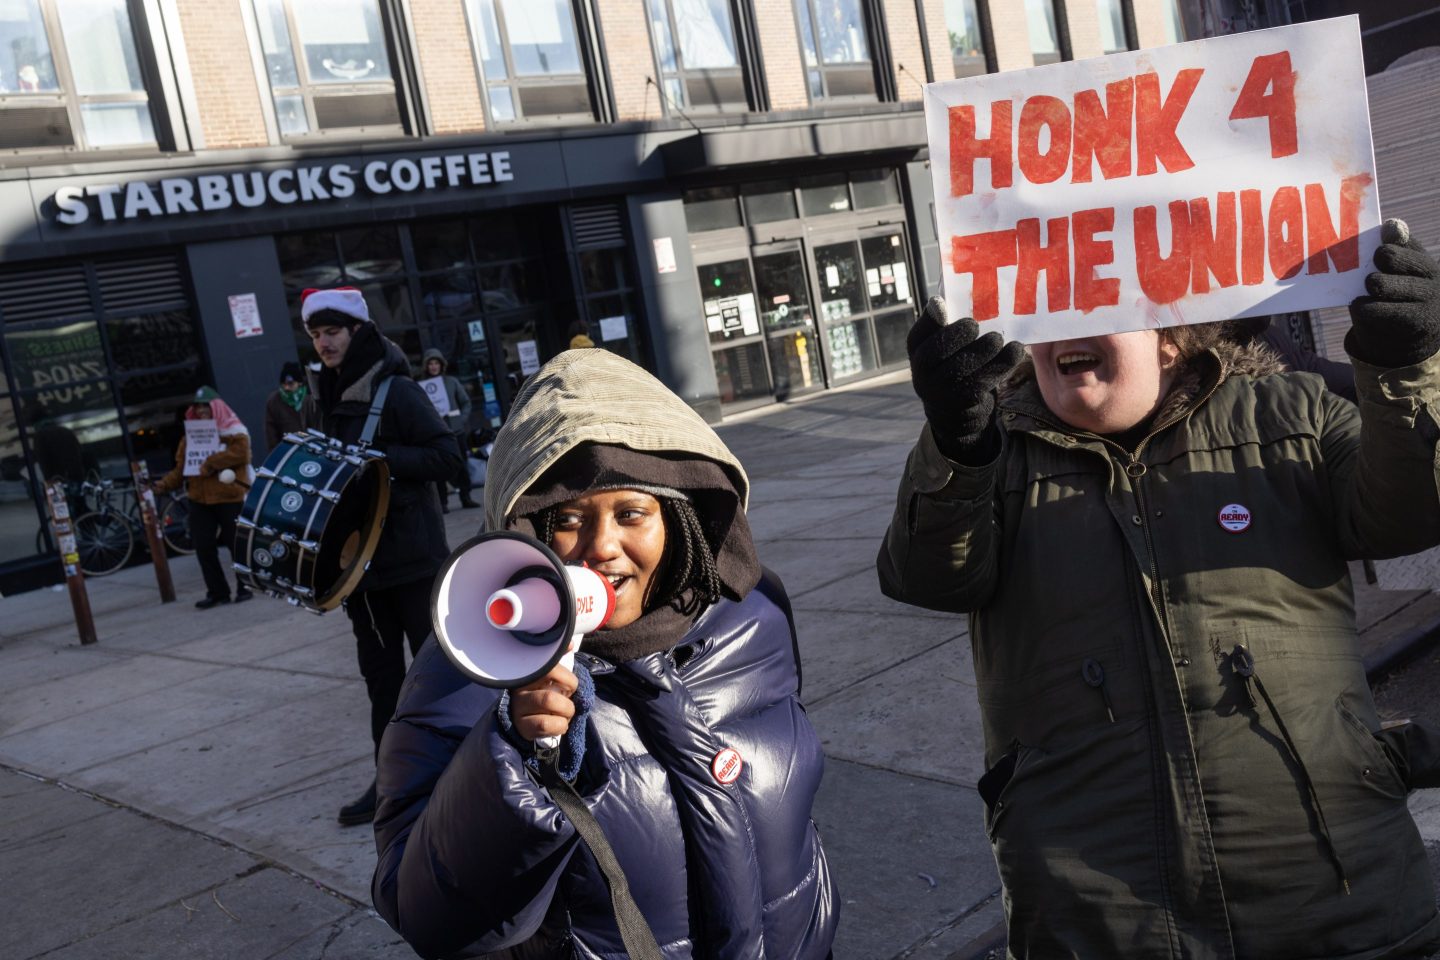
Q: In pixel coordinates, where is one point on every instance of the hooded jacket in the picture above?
(418, 448)
(458, 419)
(234, 455)
(473, 853)
(1184, 759)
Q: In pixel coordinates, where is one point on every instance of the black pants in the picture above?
(382, 620)
(211, 525)
(461, 479)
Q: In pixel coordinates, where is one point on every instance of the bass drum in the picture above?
(311, 521)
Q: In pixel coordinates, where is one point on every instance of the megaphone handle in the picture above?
(568, 662)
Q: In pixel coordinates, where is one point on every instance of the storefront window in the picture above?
(788, 321)
(93, 98)
(341, 80)
(695, 48)
(769, 202)
(874, 188)
(824, 194)
(711, 208)
(529, 60)
(967, 45)
(1112, 25)
(836, 47)
(1045, 43)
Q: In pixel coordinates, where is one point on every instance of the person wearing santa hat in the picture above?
(216, 493)
(392, 602)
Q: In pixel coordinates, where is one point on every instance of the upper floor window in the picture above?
(530, 60)
(1049, 33)
(967, 42)
(697, 54)
(329, 66)
(836, 46)
(71, 77)
(1113, 36)
(1174, 25)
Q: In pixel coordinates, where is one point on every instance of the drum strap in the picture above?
(377, 404)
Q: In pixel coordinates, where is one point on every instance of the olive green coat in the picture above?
(1145, 798)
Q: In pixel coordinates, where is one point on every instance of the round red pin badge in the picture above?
(726, 766)
(1234, 517)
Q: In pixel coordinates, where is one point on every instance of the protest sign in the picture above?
(202, 438)
(435, 390)
(1207, 180)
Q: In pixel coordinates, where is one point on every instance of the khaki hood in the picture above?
(593, 396)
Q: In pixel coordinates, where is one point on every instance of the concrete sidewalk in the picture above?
(171, 791)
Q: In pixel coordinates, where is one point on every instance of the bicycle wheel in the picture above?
(175, 526)
(104, 542)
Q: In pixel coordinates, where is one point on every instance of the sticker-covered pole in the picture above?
(150, 517)
(70, 559)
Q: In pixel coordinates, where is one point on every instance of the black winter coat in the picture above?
(474, 855)
(418, 448)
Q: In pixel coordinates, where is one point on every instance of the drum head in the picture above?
(352, 532)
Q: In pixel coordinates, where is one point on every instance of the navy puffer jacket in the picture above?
(475, 857)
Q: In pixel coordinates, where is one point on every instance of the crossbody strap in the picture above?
(377, 404)
(640, 943)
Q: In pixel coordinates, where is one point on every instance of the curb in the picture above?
(1406, 643)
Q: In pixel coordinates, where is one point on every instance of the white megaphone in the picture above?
(506, 609)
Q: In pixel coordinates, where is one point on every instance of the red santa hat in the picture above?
(344, 300)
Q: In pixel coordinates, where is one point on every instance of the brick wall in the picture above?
(1150, 22)
(905, 49)
(447, 66)
(1084, 20)
(627, 47)
(780, 49)
(225, 85)
(1012, 34)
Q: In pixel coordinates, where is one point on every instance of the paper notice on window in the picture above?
(714, 322)
(529, 352)
(435, 390)
(902, 282)
(832, 276)
(613, 328)
(749, 314)
(202, 438)
(477, 331)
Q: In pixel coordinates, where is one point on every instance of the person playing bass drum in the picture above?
(393, 599)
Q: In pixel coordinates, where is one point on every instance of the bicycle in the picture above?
(105, 535)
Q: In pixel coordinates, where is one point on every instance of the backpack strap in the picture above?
(377, 404)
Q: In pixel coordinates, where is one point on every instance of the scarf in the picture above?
(295, 397)
(591, 467)
(227, 422)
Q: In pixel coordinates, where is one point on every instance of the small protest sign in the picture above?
(202, 438)
(435, 390)
(1220, 178)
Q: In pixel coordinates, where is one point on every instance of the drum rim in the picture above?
(351, 579)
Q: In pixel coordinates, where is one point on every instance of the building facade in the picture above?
(733, 193)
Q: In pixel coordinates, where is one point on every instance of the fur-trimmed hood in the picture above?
(1200, 373)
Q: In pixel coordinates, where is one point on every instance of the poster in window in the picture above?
(613, 328)
(529, 356)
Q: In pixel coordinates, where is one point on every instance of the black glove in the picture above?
(955, 372)
(1398, 324)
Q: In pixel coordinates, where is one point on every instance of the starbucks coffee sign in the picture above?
(283, 186)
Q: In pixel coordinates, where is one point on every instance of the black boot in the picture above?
(361, 811)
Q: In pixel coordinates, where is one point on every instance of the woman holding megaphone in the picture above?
(680, 733)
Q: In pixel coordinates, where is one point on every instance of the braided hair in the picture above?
(689, 580)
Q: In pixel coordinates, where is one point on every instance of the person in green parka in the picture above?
(1150, 532)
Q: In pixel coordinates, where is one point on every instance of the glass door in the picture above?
(732, 320)
(787, 319)
(845, 326)
(892, 298)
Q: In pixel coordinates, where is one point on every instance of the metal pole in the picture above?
(151, 520)
(70, 558)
